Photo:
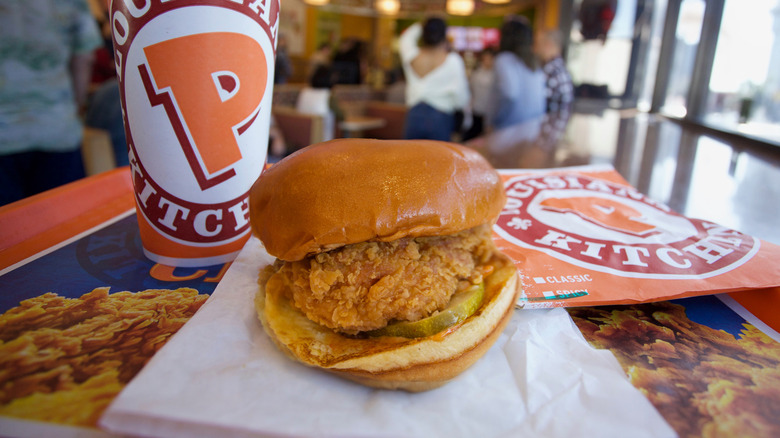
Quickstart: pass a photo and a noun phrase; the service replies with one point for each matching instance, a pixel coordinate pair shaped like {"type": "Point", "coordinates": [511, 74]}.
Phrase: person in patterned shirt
{"type": "Point", "coordinates": [46, 54]}
{"type": "Point", "coordinates": [560, 91]}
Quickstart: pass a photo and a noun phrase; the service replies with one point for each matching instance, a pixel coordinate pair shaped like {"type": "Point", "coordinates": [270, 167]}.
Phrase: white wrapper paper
{"type": "Point", "coordinates": [222, 376]}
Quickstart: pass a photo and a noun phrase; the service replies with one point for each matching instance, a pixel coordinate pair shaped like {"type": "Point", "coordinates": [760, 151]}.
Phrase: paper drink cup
{"type": "Point", "coordinates": [196, 81]}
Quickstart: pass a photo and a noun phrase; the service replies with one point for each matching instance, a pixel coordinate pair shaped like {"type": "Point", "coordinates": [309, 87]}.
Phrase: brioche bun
{"type": "Point", "coordinates": [355, 190]}
{"type": "Point", "coordinates": [414, 365]}
{"type": "Point", "coordinates": [345, 192]}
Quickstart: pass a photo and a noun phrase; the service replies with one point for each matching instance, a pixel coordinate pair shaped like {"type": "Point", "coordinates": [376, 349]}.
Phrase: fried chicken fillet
{"type": "Point", "coordinates": [364, 286]}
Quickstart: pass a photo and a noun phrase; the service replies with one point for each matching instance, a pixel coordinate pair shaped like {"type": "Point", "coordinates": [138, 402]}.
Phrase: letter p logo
{"type": "Point", "coordinates": [606, 213]}
{"type": "Point", "coordinates": [211, 86]}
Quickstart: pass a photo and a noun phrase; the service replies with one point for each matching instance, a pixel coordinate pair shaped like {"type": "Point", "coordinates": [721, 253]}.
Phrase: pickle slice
{"type": "Point", "coordinates": [461, 306]}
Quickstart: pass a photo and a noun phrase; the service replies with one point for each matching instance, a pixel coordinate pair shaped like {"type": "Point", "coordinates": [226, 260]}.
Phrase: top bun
{"type": "Point", "coordinates": [355, 190]}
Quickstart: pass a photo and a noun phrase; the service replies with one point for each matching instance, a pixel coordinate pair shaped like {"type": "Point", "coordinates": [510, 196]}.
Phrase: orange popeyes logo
{"type": "Point", "coordinates": [604, 226]}
{"type": "Point", "coordinates": [606, 213]}
{"type": "Point", "coordinates": [210, 86]}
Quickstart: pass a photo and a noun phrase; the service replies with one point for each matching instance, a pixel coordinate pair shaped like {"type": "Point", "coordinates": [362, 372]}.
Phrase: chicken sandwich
{"type": "Point", "coordinates": [386, 271]}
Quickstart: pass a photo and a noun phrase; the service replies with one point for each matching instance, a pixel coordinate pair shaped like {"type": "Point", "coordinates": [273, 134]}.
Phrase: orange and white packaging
{"type": "Point", "coordinates": [196, 82]}
{"type": "Point", "coordinates": [583, 236]}
{"type": "Point", "coordinates": [221, 376]}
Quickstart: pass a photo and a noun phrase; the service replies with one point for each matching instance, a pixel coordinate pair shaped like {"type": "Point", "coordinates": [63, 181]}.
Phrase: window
{"type": "Point", "coordinates": [600, 48]}
{"type": "Point", "coordinates": [744, 89]}
{"type": "Point", "coordinates": [654, 35]}
{"type": "Point", "coordinates": [686, 42]}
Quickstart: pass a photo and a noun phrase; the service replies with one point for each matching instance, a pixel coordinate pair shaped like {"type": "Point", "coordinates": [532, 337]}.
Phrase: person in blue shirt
{"type": "Point", "coordinates": [519, 89]}
{"type": "Point", "coordinates": [46, 55]}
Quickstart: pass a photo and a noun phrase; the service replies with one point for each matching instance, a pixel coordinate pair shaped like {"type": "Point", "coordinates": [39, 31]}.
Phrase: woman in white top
{"type": "Point", "coordinates": [436, 83]}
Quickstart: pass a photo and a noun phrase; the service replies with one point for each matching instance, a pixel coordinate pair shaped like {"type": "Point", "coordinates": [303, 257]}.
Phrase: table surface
{"type": "Point", "coordinates": [358, 123]}
{"type": "Point", "coordinates": [724, 179]}
{"type": "Point", "coordinates": [727, 181]}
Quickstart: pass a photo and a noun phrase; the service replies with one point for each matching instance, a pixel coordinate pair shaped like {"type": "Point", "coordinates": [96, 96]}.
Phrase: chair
{"type": "Point", "coordinates": [352, 99]}
{"type": "Point", "coordinates": [286, 94]}
{"type": "Point", "coordinates": [394, 115]}
{"type": "Point", "coordinates": [299, 129]}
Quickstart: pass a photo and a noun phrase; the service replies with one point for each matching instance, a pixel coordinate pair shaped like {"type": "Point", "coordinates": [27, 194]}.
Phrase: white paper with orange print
{"type": "Point", "coordinates": [583, 236]}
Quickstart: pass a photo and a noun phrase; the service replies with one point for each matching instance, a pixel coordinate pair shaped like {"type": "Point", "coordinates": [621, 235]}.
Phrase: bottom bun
{"type": "Point", "coordinates": [415, 365]}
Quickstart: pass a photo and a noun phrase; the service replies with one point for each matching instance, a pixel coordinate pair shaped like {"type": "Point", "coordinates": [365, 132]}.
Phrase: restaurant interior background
{"type": "Point", "coordinates": [714, 63]}
{"type": "Point", "coordinates": [681, 97]}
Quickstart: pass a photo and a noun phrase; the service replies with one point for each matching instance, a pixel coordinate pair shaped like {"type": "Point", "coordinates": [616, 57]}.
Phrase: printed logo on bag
{"type": "Point", "coordinates": [607, 227]}
{"type": "Point", "coordinates": [194, 90]}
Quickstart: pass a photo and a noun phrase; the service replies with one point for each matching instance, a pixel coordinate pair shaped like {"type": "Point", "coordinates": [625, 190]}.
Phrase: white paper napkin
{"type": "Point", "coordinates": [222, 376]}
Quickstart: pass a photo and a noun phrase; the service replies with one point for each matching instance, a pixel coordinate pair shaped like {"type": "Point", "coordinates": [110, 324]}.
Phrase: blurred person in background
{"type": "Point", "coordinates": [481, 82]}
{"type": "Point", "coordinates": [596, 18]}
{"type": "Point", "coordinates": [46, 55]}
{"type": "Point", "coordinates": [320, 57]}
{"type": "Point", "coordinates": [104, 111]}
{"type": "Point", "coordinates": [283, 67]}
{"type": "Point", "coordinates": [348, 62]}
{"type": "Point", "coordinates": [317, 99]}
{"type": "Point", "coordinates": [104, 106]}
{"type": "Point", "coordinates": [518, 92]}
{"type": "Point", "coordinates": [559, 88]}
{"type": "Point", "coordinates": [277, 145]}
{"type": "Point", "coordinates": [436, 83]}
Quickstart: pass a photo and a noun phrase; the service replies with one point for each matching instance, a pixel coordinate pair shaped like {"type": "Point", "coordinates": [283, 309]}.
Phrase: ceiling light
{"type": "Point", "coordinates": [460, 7]}
{"type": "Point", "coordinates": [316, 2]}
{"type": "Point", "coordinates": [388, 7]}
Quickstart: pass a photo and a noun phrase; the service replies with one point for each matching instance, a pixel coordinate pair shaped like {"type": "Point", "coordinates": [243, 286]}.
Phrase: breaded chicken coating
{"type": "Point", "coordinates": [366, 285]}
